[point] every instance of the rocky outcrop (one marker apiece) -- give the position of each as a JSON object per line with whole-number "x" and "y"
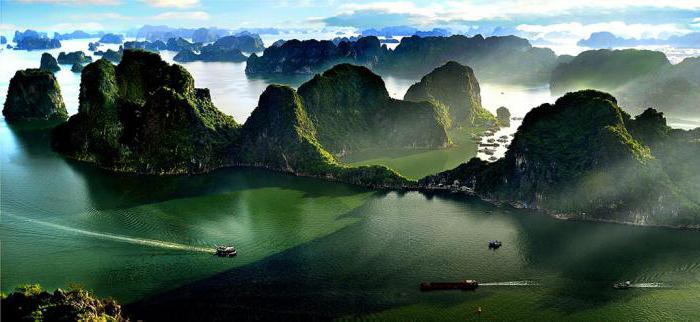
{"x": 112, "y": 39}
{"x": 28, "y": 302}
{"x": 605, "y": 69}
{"x": 455, "y": 87}
{"x": 34, "y": 95}
{"x": 180, "y": 44}
{"x": 312, "y": 56}
{"x": 352, "y": 111}
{"x": 211, "y": 53}
{"x": 37, "y": 44}
{"x": 155, "y": 46}
{"x": 111, "y": 55}
{"x": 76, "y": 57}
{"x": 21, "y": 35}
{"x": 93, "y": 46}
{"x": 503, "y": 116}
{"x": 280, "y": 135}
{"x": 49, "y": 63}
{"x": 507, "y": 59}
{"x": 145, "y": 116}
{"x": 76, "y": 68}
{"x": 3, "y": 40}
{"x": 245, "y": 42}
{"x": 582, "y": 157}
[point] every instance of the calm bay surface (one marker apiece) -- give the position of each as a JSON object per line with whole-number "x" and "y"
{"x": 315, "y": 249}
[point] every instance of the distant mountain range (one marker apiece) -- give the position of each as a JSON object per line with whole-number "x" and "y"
{"x": 606, "y": 39}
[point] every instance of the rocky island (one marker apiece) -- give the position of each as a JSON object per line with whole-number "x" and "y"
{"x": 503, "y": 59}
{"x": 585, "y": 158}
{"x": 49, "y": 63}
{"x": 455, "y": 87}
{"x": 34, "y": 95}
{"x": 605, "y": 69}
{"x": 76, "y": 57}
{"x": 313, "y": 56}
{"x": 112, "y": 39}
{"x": 146, "y": 116}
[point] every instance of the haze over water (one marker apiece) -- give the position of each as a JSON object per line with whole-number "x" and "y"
{"x": 324, "y": 249}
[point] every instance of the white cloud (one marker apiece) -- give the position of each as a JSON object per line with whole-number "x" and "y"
{"x": 503, "y": 9}
{"x": 182, "y": 15}
{"x": 172, "y": 3}
{"x": 76, "y": 2}
{"x": 68, "y": 27}
{"x": 574, "y": 31}
{"x": 8, "y": 27}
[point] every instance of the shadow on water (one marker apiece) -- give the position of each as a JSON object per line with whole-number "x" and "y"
{"x": 352, "y": 272}
{"x": 108, "y": 190}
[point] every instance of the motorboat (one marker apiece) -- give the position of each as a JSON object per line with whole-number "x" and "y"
{"x": 622, "y": 285}
{"x": 225, "y": 251}
{"x": 493, "y": 244}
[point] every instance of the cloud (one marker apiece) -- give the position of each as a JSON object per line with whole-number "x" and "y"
{"x": 464, "y": 12}
{"x": 572, "y": 32}
{"x": 172, "y": 3}
{"x": 67, "y": 27}
{"x": 76, "y": 2}
{"x": 182, "y": 15}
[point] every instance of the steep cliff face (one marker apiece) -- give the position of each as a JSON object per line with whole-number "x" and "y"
{"x": 34, "y": 95}
{"x": 352, "y": 110}
{"x": 606, "y": 69}
{"x": 578, "y": 158}
{"x": 247, "y": 43}
{"x": 506, "y": 59}
{"x": 145, "y": 116}
{"x": 48, "y": 63}
{"x": 454, "y": 86}
{"x": 312, "y": 56}
{"x": 280, "y": 135}
{"x": 76, "y": 57}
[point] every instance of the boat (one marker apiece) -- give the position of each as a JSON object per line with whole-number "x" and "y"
{"x": 493, "y": 244}
{"x": 225, "y": 251}
{"x": 466, "y": 285}
{"x": 493, "y": 158}
{"x": 622, "y": 285}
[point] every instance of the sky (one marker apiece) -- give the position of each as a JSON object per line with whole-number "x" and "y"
{"x": 554, "y": 20}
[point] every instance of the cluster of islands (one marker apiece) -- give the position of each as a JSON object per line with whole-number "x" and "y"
{"x": 583, "y": 157}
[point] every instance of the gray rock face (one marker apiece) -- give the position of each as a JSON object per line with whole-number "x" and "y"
{"x": 49, "y": 63}
{"x": 34, "y": 95}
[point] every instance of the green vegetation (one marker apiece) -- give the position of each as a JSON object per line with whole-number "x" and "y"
{"x": 455, "y": 87}
{"x": 145, "y": 116}
{"x": 352, "y": 111}
{"x": 34, "y": 95}
{"x": 280, "y": 135}
{"x": 674, "y": 90}
{"x": 31, "y": 303}
{"x": 606, "y": 69}
{"x": 48, "y": 63}
{"x": 508, "y": 59}
{"x": 585, "y": 157}
{"x": 76, "y": 57}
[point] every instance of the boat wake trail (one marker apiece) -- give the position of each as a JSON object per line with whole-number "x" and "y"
{"x": 118, "y": 238}
{"x": 511, "y": 283}
{"x": 649, "y": 285}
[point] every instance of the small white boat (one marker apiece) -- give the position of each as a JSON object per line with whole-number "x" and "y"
{"x": 225, "y": 251}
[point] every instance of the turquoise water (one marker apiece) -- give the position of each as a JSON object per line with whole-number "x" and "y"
{"x": 310, "y": 249}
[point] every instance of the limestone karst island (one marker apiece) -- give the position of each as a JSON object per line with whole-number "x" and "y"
{"x": 205, "y": 160}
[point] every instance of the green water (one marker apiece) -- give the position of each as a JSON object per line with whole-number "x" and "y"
{"x": 310, "y": 249}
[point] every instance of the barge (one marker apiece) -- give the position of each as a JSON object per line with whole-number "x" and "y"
{"x": 466, "y": 285}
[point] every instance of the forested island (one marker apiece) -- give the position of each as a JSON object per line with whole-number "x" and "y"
{"x": 582, "y": 157}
